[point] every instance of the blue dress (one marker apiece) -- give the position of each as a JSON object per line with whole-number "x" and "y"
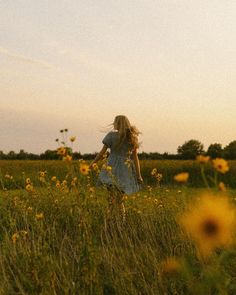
{"x": 122, "y": 174}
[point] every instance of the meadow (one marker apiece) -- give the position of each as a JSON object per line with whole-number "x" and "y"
{"x": 58, "y": 236}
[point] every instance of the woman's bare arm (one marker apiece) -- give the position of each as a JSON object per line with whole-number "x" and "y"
{"x": 99, "y": 155}
{"x": 137, "y": 165}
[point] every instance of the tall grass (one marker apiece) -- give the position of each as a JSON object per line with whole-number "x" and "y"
{"x": 168, "y": 168}
{"x": 75, "y": 248}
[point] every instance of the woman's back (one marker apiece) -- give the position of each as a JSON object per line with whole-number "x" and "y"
{"x": 111, "y": 140}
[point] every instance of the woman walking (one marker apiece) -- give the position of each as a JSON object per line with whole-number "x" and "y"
{"x": 122, "y": 173}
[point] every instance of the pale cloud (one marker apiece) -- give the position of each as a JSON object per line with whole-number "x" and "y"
{"x": 26, "y": 59}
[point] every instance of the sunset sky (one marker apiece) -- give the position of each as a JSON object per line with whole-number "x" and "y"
{"x": 169, "y": 65}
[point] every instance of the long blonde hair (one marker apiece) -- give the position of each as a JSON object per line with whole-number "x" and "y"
{"x": 126, "y": 131}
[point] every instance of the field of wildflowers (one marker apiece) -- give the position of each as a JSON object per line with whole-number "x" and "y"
{"x": 59, "y": 237}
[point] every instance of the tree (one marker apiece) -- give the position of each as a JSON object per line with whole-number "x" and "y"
{"x": 190, "y": 149}
{"x": 215, "y": 150}
{"x": 229, "y": 151}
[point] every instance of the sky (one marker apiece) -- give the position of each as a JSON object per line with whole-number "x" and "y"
{"x": 168, "y": 65}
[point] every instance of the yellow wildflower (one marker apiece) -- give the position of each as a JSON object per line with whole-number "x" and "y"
{"x": 54, "y": 178}
{"x": 58, "y": 184}
{"x": 27, "y": 181}
{"x": 171, "y": 266}
{"x": 29, "y": 187}
{"x": 64, "y": 183}
{"x": 42, "y": 173}
{"x": 24, "y": 233}
{"x": 220, "y": 165}
{"x": 15, "y": 237}
{"x": 29, "y": 209}
{"x": 95, "y": 166}
{"x": 73, "y": 183}
{"x": 91, "y": 190}
{"x": 67, "y": 158}
{"x": 72, "y": 138}
{"x": 84, "y": 169}
{"x": 159, "y": 177}
{"x": 202, "y": 159}
{"x": 211, "y": 223}
{"x": 222, "y": 186}
{"x": 39, "y": 216}
{"x": 61, "y": 151}
{"x": 154, "y": 171}
{"x": 181, "y": 177}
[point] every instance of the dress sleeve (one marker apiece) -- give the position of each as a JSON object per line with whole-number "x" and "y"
{"x": 107, "y": 140}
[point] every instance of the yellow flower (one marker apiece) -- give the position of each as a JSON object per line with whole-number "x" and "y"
{"x": 211, "y": 223}
{"x": 95, "y": 166}
{"x": 29, "y": 209}
{"x": 91, "y": 190}
{"x": 159, "y": 177}
{"x": 181, "y": 177}
{"x": 61, "y": 151}
{"x": 24, "y": 233}
{"x": 27, "y": 181}
{"x": 29, "y": 187}
{"x": 73, "y": 183}
{"x": 54, "y": 178}
{"x": 84, "y": 169}
{"x": 73, "y": 138}
{"x": 222, "y": 186}
{"x": 42, "y": 173}
{"x": 154, "y": 171}
{"x": 58, "y": 185}
{"x": 67, "y": 158}
{"x": 15, "y": 237}
{"x": 39, "y": 216}
{"x": 171, "y": 266}
{"x": 64, "y": 183}
{"x": 202, "y": 159}
{"x": 220, "y": 165}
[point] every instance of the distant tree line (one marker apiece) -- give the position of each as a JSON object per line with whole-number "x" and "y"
{"x": 189, "y": 150}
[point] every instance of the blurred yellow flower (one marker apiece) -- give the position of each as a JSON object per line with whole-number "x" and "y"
{"x": 39, "y": 216}
{"x": 61, "y": 151}
{"x": 72, "y": 138}
{"x": 171, "y": 266}
{"x": 220, "y": 165}
{"x": 222, "y": 186}
{"x": 15, "y": 237}
{"x": 95, "y": 166}
{"x": 42, "y": 173}
{"x": 27, "y": 181}
{"x": 29, "y": 209}
{"x": 154, "y": 171}
{"x": 92, "y": 190}
{"x": 67, "y": 158}
{"x": 210, "y": 222}
{"x": 182, "y": 177}
{"x": 159, "y": 177}
{"x": 84, "y": 169}
{"x": 29, "y": 187}
{"x": 202, "y": 159}
{"x": 54, "y": 178}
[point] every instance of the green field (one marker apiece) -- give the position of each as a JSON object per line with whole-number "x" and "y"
{"x": 20, "y": 170}
{"x": 63, "y": 240}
